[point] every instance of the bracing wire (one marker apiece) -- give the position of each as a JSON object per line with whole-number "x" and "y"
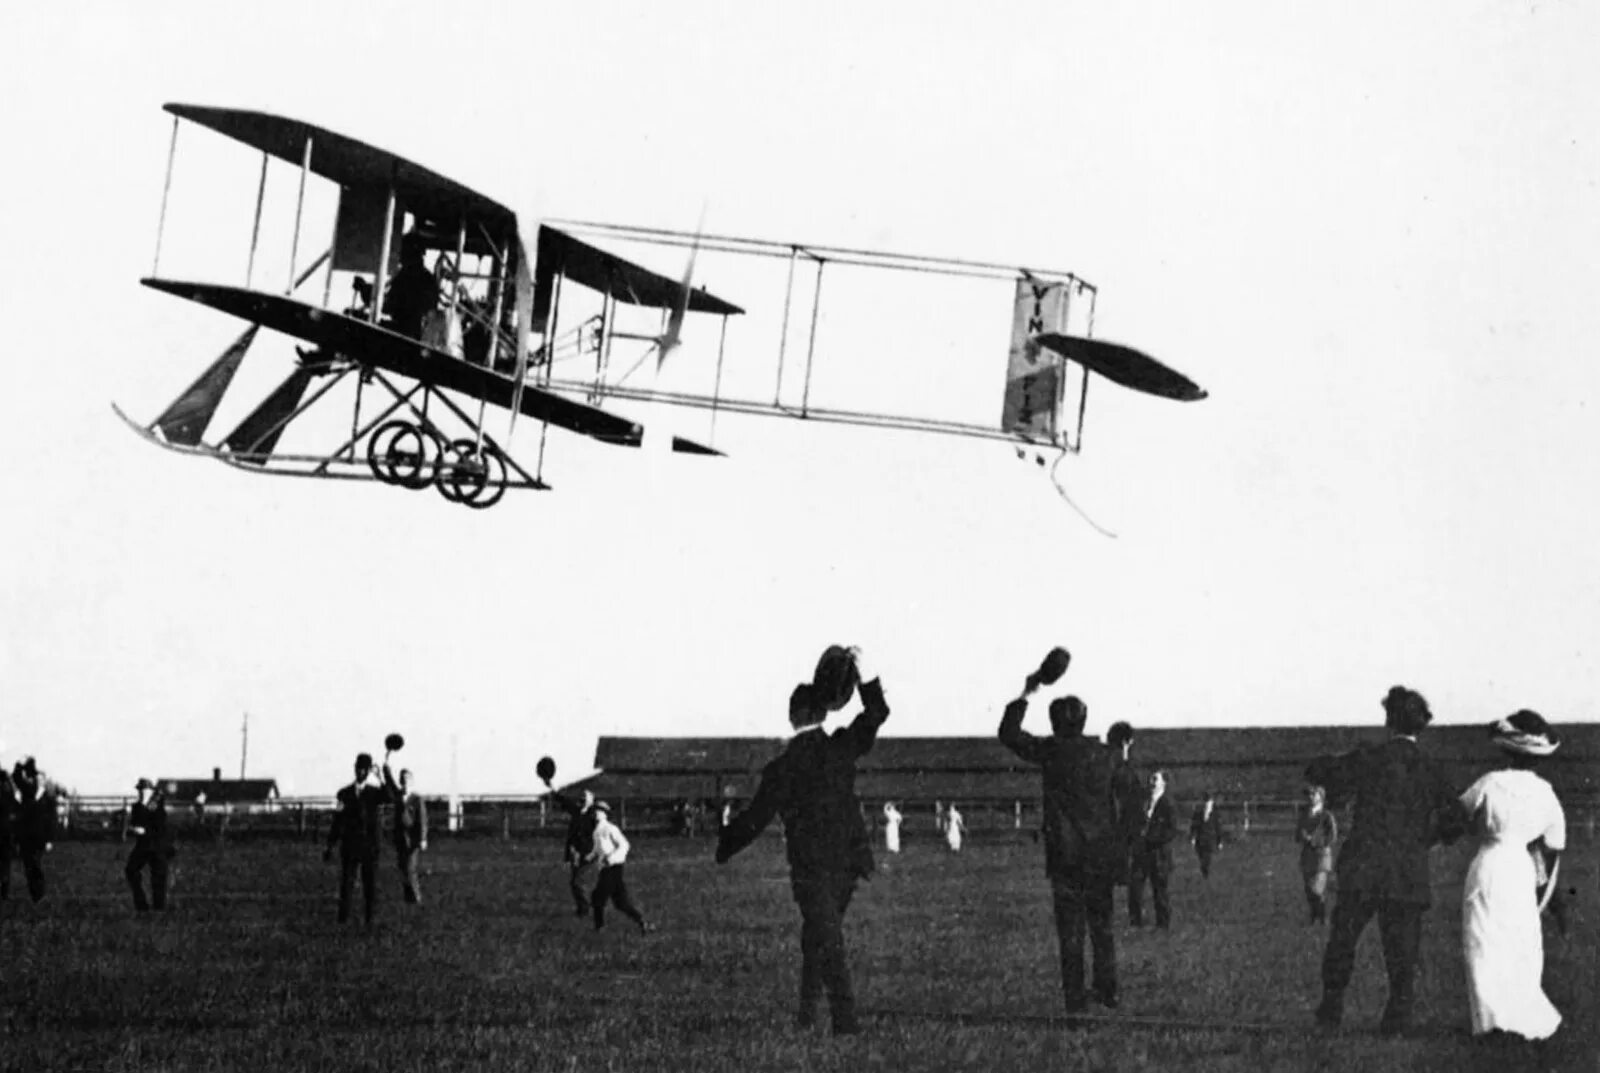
{"x": 1062, "y": 492}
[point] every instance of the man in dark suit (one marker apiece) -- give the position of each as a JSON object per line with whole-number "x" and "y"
{"x": 811, "y": 785}
{"x": 580, "y": 841}
{"x": 355, "y": 830}
{"x": 1205, "y": 832}
{"x": 1127, "y": 791}
{"x": 152, "y": 847}
{"x": 36, "y": 823}
{"x": 1082, "y": 846}
{"x": 1152, "y": 854}
{"x": 1403, "y": 805}
{"x": 410, "y": 831}
{"x": 8, "y": 812}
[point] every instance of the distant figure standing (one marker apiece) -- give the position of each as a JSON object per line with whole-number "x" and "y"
{"x": 1403, "y": 805}
{"x": 36, "y": 823}
{"x": 355, "y": 830}
{"x": 1127, "y": 789}
{"x": 1316, "y": 831}
{"x": 580, "y": 842}
{"x": 892, "y": 819}
{"x": 955, "y": 825}
{"x": 8, "y": 832}
{"x": 1205, "y": 832}
{"x": 1152, "y": 855}
{"x": 410, "y": 831}
{"x": 611, "y": 850}
{"x": 152, "y": 847}
{"x": 1083, "y": 848}
{"x": 1519, "y": 819}
{"x": 811, "y": 785}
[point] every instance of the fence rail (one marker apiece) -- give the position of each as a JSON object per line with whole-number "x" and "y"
{"x": 514, "y": 817}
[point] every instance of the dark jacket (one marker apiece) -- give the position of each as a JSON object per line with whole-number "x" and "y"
{"x": 1205, "y": 831}
{"x": 35, "y": 822}
{"x": 152, "y": 818}
{"x": 1156, "y": 830}
{"x": 410, "y": 815}
{"x": 8, "y": 804}
{"x": 811, "y": 786}
{"x": 580, "y": 827}
{"x": 1081, "y": 837}
{"x": 356, "y": 825}
{"x": 1403, "y": 806}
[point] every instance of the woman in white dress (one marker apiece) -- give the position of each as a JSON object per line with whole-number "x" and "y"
{"x": 1518, "y": 818}
{"x": 954, "y": 828}
{"x": 892, "y": 819}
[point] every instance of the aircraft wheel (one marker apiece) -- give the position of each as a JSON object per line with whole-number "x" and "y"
{"x": 461, "y": 476}
{"x": 402, "y": 453}
{"x": 494, "y": 486}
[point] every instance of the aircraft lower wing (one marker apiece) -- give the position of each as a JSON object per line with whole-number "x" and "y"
{"x": 364, "y": 342}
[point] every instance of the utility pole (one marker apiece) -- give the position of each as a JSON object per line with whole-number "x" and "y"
{"x": 244, "y": 744}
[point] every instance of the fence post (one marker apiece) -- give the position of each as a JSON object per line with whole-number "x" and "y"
{"x": 1017, "y": 825}
{"x": 1247, "y": 817}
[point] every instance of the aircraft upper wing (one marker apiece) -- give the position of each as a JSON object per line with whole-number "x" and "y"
{"x": 609, "y": 274}
{"x": 351, "y": 163}
{"x": 378, "y": 346}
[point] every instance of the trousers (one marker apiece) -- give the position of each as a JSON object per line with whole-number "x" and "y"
{"x": 612, "y": 887}
{"x": 823, "y": 966}
{"x": 1085, "y": 905}
{"x": 1157, "y": 869}
{"x": 365, "y": 865}
{"x": 405, "y": 859}
{"x": 140, "y": 859}
{"x": 1400, "y": 928}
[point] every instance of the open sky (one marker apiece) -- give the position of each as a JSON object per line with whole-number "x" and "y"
{"x": 1368, "y": 230}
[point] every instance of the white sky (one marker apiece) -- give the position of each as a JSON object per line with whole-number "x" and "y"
{"x": 1369, "y": 231}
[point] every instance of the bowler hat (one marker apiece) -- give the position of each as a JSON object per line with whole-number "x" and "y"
{"x": 144, "y": 784}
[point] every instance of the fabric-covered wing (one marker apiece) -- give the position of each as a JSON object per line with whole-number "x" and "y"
{"x": 369, "y": 343}
{"x": 624, "y": 281}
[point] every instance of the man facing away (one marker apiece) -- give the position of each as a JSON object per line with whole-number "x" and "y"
{"x": 811, "y": 785}
{"x": 355, "y": 831}
{"x": 1127, "y": 790}
{"x": 8, "y": 811}
{"x": 580, "y": 841}
{"x": 152, "y": 847}
{"x": 1403, "y": 806}
{"x": 410, "y": 831}
{"x": 1205, "y": 832}
{"x": 1082, "y": 845}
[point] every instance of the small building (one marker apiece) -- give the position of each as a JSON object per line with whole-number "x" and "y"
{"x": 218, "y": 793}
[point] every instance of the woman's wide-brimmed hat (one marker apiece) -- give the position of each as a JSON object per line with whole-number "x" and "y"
{"x": 1525, "y": 733}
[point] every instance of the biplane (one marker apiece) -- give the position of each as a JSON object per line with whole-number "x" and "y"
{"x": 457, "y": 305}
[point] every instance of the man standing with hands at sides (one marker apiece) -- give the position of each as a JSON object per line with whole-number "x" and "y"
{"x": 1152, "y": 855}
{"x": 36, "y": 823}
{"x": 410, "y": 830}
{"x": 8, "y": 812}
{"x": 580, "y": 840}
{"x": 1205, "y": 832}
{"x": 147, "y": 823}
{"x": 355, "y": 831}
{"x": 811, "y": 785}
{"x": 1082, "y": 845}
{"x": 1316, "y": 830}
{"x": 1403, "y": 806}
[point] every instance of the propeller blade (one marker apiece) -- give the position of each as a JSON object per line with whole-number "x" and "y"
{"x": 673, "y": 335}
{"x": 1124, "y": 365}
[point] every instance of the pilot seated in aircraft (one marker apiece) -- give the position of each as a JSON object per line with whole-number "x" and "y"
{"x": 413, "y": 293}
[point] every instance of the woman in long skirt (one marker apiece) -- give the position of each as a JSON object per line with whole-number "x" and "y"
{"x": 1316, "y": 832}
{"x": 954, "y": 828}
{"x": 892, "y": 818}
{"x": 1517, "y": 816}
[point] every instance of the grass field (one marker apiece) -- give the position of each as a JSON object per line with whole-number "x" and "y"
{"x": 953, "y": 956}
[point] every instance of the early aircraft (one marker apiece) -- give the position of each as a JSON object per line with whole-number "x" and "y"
{"x": 454, "y": 310}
